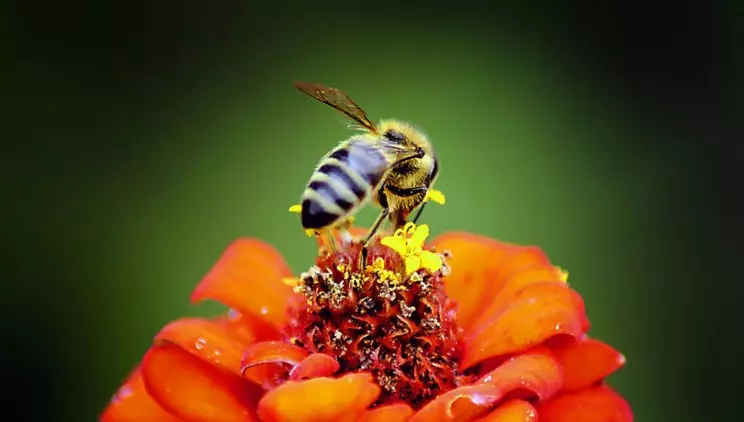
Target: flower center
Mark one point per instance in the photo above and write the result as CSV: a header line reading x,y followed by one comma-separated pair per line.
x,y
391,319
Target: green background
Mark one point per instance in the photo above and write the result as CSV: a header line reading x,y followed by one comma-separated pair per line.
x,y
144,139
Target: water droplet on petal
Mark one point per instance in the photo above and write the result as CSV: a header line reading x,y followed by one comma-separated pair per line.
x,y
123,393
233,315
264,310
200,343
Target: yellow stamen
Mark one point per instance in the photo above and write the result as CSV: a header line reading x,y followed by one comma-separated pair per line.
x,y
291,281
408,242
435,196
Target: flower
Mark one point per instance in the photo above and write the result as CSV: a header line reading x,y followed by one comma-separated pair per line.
x,y
465,328
409,243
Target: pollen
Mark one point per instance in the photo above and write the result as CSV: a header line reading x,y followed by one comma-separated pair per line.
x,y
296,209
435,196
563,274
408,242
398,325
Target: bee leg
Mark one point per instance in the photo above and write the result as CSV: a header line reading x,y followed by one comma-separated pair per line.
x,y
367,237
418,213
402,218
344,233
399,218
331,240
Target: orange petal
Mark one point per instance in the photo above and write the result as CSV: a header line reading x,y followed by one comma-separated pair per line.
x,y
587,362
389,413
517,280
268,363
461,404
210,340
536,372
132,403
320,399
314,366
194,389
512,411
595,404
480,268
535,314
248,278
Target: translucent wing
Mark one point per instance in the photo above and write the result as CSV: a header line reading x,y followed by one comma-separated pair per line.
x,y
338,100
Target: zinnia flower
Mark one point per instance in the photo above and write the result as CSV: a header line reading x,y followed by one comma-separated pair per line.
x,y
465,328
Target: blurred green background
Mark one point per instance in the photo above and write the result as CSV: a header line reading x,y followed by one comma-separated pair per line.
x,y
144,138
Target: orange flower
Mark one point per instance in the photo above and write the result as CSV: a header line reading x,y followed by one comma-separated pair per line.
x,y
463,329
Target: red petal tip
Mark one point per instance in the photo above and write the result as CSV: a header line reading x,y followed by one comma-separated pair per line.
x,y
594,404
248,278
320,399
314,366
587,362
461,404
194,389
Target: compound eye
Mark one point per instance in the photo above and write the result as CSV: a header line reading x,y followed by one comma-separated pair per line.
x,y
395,136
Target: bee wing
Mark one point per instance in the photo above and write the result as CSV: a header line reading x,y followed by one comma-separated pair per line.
x,y
338,100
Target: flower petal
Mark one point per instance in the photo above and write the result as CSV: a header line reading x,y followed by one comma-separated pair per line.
x,y
595,404
512,411
132,403
536,372
248,278
431,261
518,280
268,363
420,233
389,413
210,340
461,404
479,266
587,362
320,399
396,243
534,314
314,366
194,389
413,263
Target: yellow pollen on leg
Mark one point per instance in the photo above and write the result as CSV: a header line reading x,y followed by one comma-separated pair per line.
x,y
296,209
435,196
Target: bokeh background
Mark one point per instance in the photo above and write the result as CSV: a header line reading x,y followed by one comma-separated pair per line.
x,y
143,138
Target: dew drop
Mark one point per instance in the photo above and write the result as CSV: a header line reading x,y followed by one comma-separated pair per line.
x,y
264,310
200,343
123,393
233,315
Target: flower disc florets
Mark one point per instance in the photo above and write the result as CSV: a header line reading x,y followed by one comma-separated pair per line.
x,y
391,318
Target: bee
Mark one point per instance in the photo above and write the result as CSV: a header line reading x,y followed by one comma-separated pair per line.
x,y
390,163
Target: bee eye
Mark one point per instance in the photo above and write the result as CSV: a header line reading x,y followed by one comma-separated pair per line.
x,y
395,136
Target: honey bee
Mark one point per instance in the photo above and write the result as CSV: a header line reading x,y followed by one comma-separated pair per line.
x,y
392,163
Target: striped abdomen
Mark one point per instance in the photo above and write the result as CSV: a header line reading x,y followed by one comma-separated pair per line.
x,y
342,182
